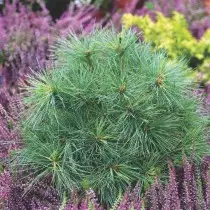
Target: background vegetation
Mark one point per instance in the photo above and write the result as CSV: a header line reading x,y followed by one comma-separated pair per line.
x,y
28,30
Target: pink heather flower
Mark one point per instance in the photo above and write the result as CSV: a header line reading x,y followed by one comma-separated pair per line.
x,y
93,201
167,198
135,197
81,19
5,185
205,174
28,36
84,204
188,184
172,200
156,195
197,182
10,108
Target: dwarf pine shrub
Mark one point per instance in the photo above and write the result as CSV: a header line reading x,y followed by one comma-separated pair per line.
x,y
111,113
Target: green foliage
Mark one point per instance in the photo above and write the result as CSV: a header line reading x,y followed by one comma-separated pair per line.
x,y
205,65
170,33
149,5
2,57
111,113
173,35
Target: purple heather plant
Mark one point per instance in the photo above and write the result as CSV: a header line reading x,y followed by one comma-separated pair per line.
x,y
10,107
77,19
17,197
153,196
198,27
5,188
188,188
27,39
189,185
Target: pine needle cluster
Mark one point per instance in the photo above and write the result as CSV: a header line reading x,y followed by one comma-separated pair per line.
x,y
110,114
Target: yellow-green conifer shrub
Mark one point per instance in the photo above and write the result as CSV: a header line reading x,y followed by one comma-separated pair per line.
x,y
204,67
170,33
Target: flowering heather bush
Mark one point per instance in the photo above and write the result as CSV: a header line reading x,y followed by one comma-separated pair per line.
x,y
9,123
77,19
27,40
15,195
27,35
5,188
199,27
188,188
190,8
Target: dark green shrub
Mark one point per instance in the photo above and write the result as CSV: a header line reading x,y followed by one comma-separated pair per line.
x,y
112,112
